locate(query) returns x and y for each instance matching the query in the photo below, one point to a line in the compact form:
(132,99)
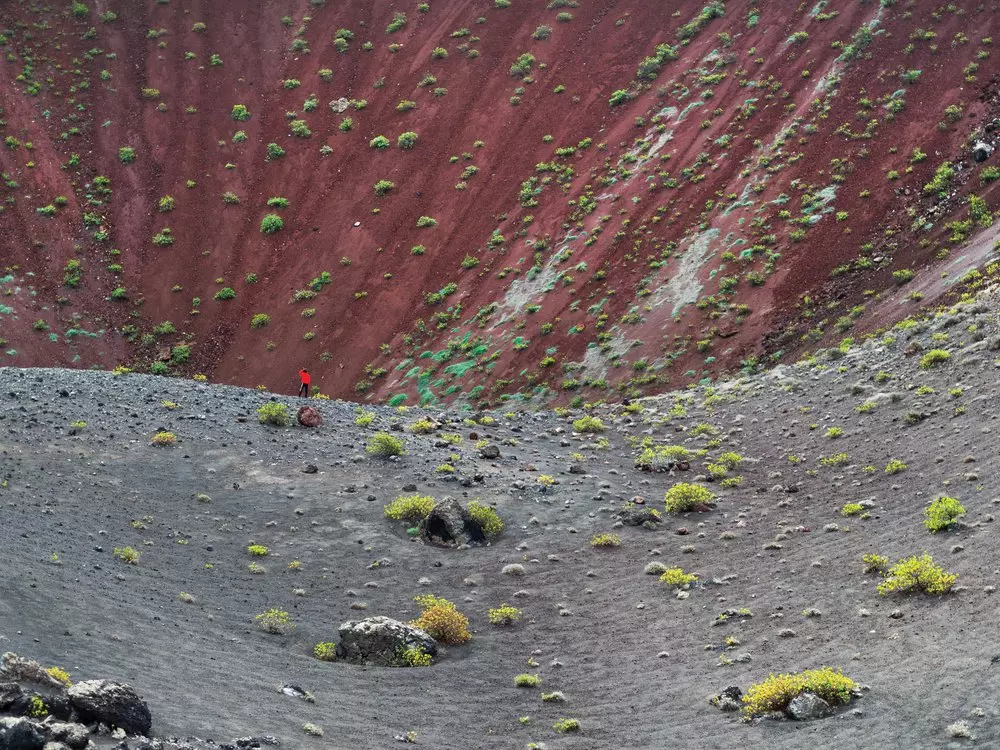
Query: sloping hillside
(597,198)
(146,522)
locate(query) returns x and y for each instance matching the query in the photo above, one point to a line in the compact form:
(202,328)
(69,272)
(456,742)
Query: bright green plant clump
(271,223)
(933,358)
(128,554)
(409,508)
(422,427)
(258,550)
(413,656)
(486,517)
(777,691)
(588,424)
(852,509)
(325,651)
(604,539)
(274,620)
(677,577)
(273,413)
(942,513)
(383,444)
(686,496)
(564,726)
(894,467)
(504,615)
(527,680)
(917,574)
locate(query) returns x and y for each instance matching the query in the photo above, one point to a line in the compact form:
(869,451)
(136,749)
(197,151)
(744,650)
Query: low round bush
(686,496)
(325,651)
(383,444)
(942,513)
(588,424)
(273,413)
(441,620)
(271,223)
(486,518)
(409,508)
(777,691)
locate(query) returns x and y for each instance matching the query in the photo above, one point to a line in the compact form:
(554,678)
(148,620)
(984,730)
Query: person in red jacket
(304,380)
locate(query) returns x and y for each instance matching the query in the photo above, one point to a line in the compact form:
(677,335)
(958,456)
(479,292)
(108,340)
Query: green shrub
(240,113)
(275,620)
(380,142)
(407,140)
(933,358)
(441,620)
(426,221)
(942,513)
(564,726)
(260,320)
(677,577)
(224,294)
(527,680)
(325,651)
(588,424)
(413,656)
(128,554)
(686,496)
(504,615)
(126,154)
(273,413)
(163,438)
(852,509)
(271,223)
(486,517)
(894,467)
(875,563)
(274,151)
(409,508)
(777,691)
(605,539)
(258,550)
(383,444)
(917,574)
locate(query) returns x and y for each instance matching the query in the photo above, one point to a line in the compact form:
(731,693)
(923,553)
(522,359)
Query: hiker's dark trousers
(304,390)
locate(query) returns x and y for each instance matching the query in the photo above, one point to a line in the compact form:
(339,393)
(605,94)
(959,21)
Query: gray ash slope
(636,664)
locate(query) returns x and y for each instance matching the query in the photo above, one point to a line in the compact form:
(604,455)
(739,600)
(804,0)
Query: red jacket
(304,377)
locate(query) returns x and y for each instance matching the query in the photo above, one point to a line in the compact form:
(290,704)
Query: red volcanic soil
(752,193)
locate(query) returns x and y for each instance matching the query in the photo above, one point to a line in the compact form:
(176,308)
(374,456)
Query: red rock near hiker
(304,381)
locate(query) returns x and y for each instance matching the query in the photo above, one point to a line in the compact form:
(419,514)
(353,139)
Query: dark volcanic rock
(446,524)
(490,451)
(20,734)
(638,515)
(377,640)
(113,703)
(309,417)
(808,706)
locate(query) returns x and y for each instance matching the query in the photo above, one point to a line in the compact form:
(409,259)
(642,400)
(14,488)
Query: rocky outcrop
(379,640)
(112,703)
(447,524)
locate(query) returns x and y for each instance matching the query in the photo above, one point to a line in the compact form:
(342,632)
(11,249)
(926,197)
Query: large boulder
(378,640)
(20,734)
(309,417)
(447,524)
(113,703)
(72,735)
